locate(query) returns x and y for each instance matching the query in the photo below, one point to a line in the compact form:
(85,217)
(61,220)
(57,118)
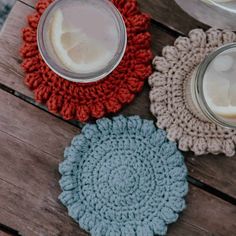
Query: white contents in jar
(223,63)
(84,37)
(219,85)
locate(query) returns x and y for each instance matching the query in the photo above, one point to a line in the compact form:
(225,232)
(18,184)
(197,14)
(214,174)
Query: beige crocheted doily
(167,94)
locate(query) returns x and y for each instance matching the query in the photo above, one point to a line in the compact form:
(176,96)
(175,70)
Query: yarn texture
(122,177)
(84,101)
(168,99)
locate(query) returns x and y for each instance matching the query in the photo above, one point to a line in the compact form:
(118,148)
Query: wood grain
(29,2)
(32,143)
(28,170)
(216,171)
(166,12)
(34,215)
(4,233)
(29,181)
(21,126)
(10,69)
(205,210)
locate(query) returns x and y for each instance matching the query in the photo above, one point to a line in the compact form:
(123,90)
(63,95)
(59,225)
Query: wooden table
(32,143)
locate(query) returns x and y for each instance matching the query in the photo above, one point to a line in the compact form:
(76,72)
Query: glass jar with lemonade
(82,40)
(213,87)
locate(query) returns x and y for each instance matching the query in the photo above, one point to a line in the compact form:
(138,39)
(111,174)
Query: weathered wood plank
(31,169)
(34,215)
(29,2)
(10,70)
(215,171)
(9,219)
(206,214)
(25,151)
(4,234)
(171,15)
(29,180)
(166,12)
(21,126)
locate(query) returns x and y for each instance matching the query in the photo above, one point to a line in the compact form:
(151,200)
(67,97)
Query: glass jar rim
(198,85)
(217,4)
(83,77)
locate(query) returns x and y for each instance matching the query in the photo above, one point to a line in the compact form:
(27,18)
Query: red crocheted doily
(94,100)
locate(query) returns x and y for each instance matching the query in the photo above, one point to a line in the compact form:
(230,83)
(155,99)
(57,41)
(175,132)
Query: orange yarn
(94,100)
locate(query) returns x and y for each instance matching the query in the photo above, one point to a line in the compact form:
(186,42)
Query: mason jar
(82,40)
(211,90)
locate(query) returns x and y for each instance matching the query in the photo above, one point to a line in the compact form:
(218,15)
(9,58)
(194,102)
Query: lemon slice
(219,87)
(74,49)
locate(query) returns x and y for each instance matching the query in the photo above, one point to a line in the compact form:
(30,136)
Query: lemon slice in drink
(75,50)
(219,87)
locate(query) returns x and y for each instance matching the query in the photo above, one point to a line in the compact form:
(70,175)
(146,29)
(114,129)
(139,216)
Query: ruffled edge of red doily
(125,94)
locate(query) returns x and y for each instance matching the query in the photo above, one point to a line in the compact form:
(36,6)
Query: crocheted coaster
(122,177)
(168,99)
(93,100)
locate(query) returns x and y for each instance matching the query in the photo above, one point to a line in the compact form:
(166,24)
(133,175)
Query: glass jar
(210,91)
(216,13)
(82,40)
(227,5)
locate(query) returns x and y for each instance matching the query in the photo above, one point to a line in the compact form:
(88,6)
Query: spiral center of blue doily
(123,179)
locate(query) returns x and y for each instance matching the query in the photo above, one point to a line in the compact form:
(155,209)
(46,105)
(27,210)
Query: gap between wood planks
(195,182)
(25,2)
(7,231)
(164,28)
(29,179)
(191,180)
(174,33)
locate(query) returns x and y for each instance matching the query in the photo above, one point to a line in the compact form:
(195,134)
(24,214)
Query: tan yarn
(167,95)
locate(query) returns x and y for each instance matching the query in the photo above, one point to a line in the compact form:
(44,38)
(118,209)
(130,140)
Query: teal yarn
(5,7)
(122,177)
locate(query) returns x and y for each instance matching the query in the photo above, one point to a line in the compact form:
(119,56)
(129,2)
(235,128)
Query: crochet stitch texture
(93,100)
(122,177)
(168,99)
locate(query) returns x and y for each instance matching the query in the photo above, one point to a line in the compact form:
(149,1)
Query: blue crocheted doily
(122,177)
